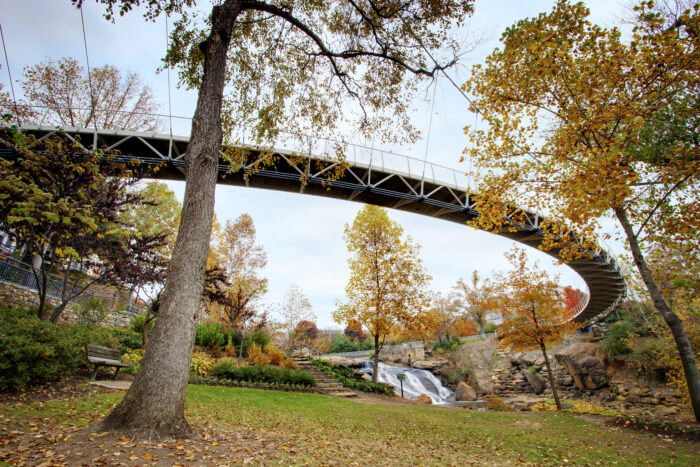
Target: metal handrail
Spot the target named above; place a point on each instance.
(369, 157)
(16, 272)
(345, 378)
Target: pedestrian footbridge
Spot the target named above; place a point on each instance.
(373, 177)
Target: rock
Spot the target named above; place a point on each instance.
(522, 403)
(666, 411)
(424, 399)
(584, 365)
(428, 364)
(302, 353)
(465, 392)
(340, 361)
(535, 381)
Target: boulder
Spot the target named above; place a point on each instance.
(428, 364)
(301, 353)
(424, 399)
(339, 361)
(584, 364)
(522, 403)
(535, 380)
(465, 392)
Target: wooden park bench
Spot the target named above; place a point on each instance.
(104, 356)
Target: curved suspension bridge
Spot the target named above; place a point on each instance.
(373, 177)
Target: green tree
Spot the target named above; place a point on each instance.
(584, 125)
(386, 291)
(64, 205)
(301, 66)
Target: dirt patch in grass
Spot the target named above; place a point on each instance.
(379, 399)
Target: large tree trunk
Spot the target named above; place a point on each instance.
(550, 376)
(154, 406)
(685, 350)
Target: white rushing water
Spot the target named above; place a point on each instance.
(417, 382)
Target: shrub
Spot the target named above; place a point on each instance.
(137, 323)
(276, 355)
(342, 343)
(614, 343)
(259, 338)
(34, 351)
(490, 327)
(230, 349)
(448, 344)
(133, 358)
(494, 402)
(92, 312)
(257, 357)
(201, 364)
(209, 335)
(224, 368)
(127, 338)
(288, 363)
(262, 374)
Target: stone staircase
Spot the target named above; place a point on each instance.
(325, 383)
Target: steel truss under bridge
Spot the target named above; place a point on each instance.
(373, 177)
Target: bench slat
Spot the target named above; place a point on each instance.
(104, 356)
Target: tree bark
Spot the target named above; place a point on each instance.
(685, 350)
(154, 406)
(144, 331)
(375, 371)
(550, 376)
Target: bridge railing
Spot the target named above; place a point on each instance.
(172, 126)
(175, 128)
(19, 273)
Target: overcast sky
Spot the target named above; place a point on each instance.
(302, 235)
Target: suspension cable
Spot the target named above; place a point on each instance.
(170, 108)
(87, 60)
(427, 138)
(9, 73)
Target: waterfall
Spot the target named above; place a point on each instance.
(417, 382)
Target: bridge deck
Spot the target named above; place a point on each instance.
(369, 181)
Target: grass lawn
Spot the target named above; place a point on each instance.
(271, 427)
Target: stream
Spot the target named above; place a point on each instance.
(417, 382)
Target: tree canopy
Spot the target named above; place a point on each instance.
(533, 316)
(585, 125)
(386, 291)
(65, 206)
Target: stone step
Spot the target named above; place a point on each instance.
(325, 384)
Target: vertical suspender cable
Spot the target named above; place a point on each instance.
(92, 94)
(170, 107)
(427, 139)
(12, 87)
(471, 177)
